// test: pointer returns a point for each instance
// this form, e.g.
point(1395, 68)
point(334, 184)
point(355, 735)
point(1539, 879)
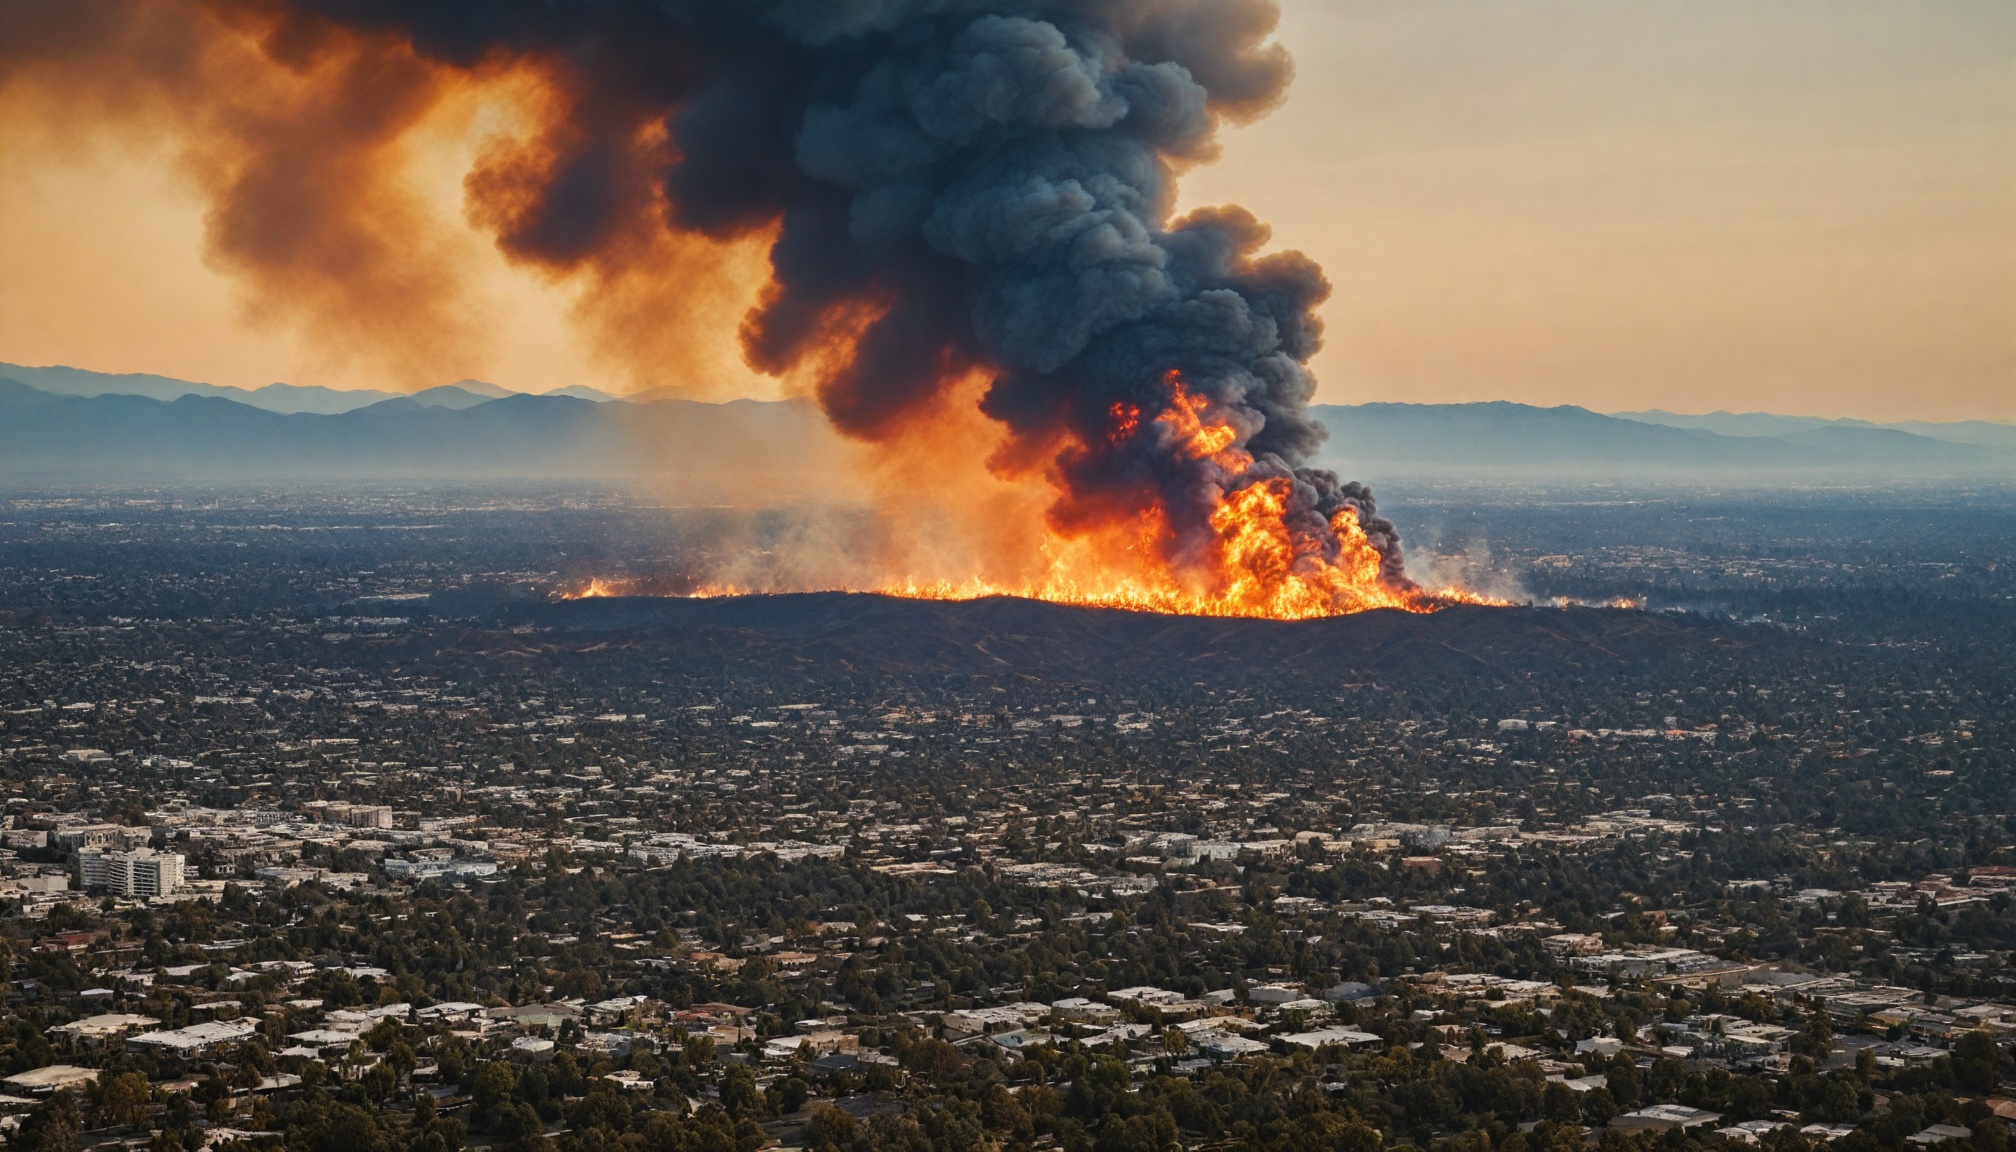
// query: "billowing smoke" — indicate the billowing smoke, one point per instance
point(292, 130)
point(957, 190)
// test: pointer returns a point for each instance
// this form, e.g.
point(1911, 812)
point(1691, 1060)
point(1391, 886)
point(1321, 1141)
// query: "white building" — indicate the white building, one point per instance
point(1348, 1037)
point(354, 815)
point(1001, 1018)
point(142, 872)
point(100, 837)
point(99, 1029)
point(195, 1039)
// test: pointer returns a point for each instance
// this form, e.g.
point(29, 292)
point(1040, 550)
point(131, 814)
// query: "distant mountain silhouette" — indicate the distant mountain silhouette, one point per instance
point(1501, 436)
point(291, 398)
point(287, 398)
point(108, 437)
point(1897, 446)
point(455, 395)
point(1979, 432)
point(480, 388)
point(580, 392)
point(773, 449)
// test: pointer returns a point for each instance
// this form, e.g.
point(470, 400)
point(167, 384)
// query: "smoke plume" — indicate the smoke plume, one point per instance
point(294, 132)
point(951, 191)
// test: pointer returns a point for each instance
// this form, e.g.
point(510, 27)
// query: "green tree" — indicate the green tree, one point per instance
point(519, 1128)
point(1148, 1132)
point(602, 1107)
point(1001, 1111)
point(1558, 1103)
point(831, 1130)
point(738, 1091)
point(1623, 1081)
point(490, 1087)
point(1817, 1038)
point(56, 1125)
point(788, 1095)
point(1974, 1063)
point(1749, 1098)
point(123, 1099)
point(345, 1128)
point(1666, 1080)
point(1598, 1106)
point(1841, 1100)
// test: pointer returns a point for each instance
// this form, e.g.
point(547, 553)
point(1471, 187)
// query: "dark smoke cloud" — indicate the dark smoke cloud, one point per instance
point(958, 187)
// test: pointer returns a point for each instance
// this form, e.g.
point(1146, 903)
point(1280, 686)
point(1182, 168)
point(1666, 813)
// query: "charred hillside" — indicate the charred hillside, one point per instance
point(823, 635)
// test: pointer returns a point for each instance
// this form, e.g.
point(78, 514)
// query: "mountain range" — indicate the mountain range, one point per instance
point(1752, 424)
point(1499, 436)
point(285, 398)
point(58, 422)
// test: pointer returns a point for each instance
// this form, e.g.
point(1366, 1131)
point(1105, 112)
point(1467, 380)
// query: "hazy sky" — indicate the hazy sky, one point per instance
point(1797, 205)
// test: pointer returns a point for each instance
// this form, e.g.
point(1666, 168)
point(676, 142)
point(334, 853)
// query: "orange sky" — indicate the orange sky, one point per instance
point(1795, 205)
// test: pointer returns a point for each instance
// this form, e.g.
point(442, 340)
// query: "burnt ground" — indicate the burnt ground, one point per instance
point(820, 634)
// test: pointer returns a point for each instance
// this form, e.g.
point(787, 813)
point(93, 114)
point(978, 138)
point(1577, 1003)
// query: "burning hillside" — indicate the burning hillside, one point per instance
point(1295, 603)
point(1268, 548)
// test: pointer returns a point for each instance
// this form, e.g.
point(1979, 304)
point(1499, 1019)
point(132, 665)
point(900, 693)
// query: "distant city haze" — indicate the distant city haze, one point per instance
point(1806, 206)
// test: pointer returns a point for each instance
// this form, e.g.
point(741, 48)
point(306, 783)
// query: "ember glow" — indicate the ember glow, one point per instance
point(600, 589)
point(1300, 599)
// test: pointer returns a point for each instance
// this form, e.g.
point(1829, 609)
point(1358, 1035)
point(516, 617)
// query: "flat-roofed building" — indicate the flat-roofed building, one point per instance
point(52, 1078)
point(99, 1029)
point(142, 872)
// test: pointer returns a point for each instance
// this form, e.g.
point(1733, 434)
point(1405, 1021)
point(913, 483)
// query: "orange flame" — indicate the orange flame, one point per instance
point(1621, 602)
point(1253, 566)
point(1195, 437)
point(1126, 421)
